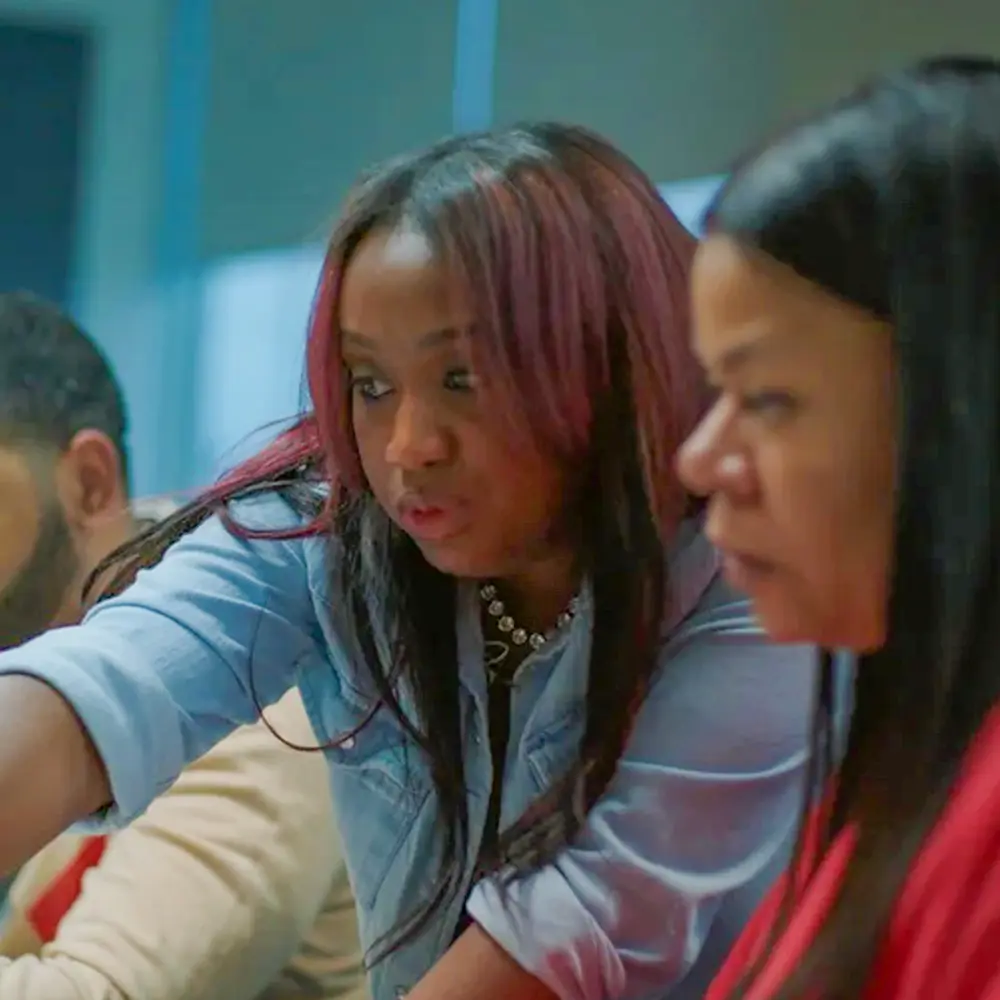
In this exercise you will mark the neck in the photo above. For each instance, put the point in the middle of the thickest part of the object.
(537, 596)
(117, 531)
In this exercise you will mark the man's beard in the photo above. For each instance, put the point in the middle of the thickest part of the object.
(33, 599)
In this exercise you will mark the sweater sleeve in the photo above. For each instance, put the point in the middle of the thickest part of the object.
(211, 892)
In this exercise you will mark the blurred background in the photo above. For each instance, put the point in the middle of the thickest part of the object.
(170, 167)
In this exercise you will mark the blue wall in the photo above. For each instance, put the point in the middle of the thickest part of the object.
(44, 76)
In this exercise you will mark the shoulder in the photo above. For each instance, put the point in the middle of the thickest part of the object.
(711, 631)
(234, 555)
(712, 625)
(725, 692)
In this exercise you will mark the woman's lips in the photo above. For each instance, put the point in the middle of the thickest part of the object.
(430, 522)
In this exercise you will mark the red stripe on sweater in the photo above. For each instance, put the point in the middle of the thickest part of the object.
(57, 898)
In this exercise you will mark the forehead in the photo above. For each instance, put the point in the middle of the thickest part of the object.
(20, 512)
(395, 284)
(749, 310)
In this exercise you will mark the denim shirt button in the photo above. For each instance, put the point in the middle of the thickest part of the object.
(348, 743)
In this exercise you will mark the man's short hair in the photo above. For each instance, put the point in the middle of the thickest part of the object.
(54, 380)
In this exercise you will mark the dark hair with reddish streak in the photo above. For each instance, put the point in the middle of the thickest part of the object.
(578, 273)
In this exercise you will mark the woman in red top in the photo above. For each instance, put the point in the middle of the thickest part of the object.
(847, 306)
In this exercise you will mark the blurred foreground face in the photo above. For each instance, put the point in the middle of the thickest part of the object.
(797, 454)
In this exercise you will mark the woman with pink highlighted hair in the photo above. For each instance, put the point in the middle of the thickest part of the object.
(566, 763)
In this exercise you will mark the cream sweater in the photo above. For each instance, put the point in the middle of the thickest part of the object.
(232, 886)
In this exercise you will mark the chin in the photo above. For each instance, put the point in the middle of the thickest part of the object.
(785, 624)
(790, 626)
(458, 562)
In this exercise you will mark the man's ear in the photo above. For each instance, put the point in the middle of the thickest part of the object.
(91, 480)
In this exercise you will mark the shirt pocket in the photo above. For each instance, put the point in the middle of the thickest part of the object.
(378, 779)
(552, 751)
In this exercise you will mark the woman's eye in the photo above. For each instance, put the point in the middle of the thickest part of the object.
(461, 380)
(369, 387)
(769, 403)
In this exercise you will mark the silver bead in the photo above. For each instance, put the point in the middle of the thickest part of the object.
(506, 624)
(495, 608)
(536, 641)
(488, 592)
(519, 637)
(564, 619)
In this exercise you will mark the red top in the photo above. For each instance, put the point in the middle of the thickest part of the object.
(943, 938)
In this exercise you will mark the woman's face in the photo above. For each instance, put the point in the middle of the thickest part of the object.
(797, 454)
(435, 456)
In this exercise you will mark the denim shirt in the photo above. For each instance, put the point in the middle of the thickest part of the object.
(643, 904)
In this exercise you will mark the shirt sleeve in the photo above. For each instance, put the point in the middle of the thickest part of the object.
(162, 673)
(208, 894)
(701, 809)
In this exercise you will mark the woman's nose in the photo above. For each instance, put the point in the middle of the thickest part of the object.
(418, 437)
(711, 460)
(698, 456)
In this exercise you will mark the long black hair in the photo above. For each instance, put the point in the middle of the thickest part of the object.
(578, 271)
(891, 201)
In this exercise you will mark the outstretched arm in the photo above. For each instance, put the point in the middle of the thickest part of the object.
(150, 681)
(50, 772)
